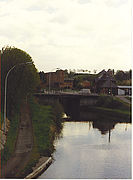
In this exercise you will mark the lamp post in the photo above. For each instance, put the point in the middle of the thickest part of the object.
(6, 90)
(50, 76)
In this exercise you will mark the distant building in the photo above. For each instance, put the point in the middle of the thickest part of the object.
(125, 90)
(85, 84)
(68, 84)
(57, 80)
(105, 83)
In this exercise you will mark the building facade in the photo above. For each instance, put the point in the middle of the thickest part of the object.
(56, 80)
(105, 83)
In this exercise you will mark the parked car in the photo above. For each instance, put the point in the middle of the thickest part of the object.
(84, 91)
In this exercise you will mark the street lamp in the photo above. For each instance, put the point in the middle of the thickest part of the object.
(50, 76)
(6, 90)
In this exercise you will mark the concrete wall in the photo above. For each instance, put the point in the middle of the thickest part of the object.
(88, 100)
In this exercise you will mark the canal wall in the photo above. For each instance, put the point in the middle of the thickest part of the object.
(40, 167)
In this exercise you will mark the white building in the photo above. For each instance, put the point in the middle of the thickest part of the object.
(125, 90)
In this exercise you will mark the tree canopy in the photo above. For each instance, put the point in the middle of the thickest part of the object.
(123, 77)
(22, 80)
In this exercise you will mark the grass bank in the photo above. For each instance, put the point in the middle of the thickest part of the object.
(110, 108)
(47, 125)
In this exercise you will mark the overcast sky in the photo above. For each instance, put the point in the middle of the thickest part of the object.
(69, 34)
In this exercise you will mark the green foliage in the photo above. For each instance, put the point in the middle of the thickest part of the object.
(79, 78)
(42, 76)
(47, 123)
(22, 80)
(44, 127)
(57, 110)
(117, 115)
(124, 83)
(11, 139)
(42, 120)
(123, 77)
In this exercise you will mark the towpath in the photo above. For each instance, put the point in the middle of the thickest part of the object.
(23, 146)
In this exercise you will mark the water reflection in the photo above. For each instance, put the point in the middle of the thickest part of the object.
(92, 150)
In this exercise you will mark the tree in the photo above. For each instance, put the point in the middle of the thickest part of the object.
(120, 75)
(94, 71)
(123, 75)
(22, 80)
(42, 76)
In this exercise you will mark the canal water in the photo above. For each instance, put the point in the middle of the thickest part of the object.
(89, 150)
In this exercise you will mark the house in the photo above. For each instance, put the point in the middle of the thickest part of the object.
(105, 83)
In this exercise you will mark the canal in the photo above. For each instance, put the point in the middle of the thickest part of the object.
(92, 150)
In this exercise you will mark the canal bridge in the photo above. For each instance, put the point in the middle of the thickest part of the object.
(72, 102)
(83, 99)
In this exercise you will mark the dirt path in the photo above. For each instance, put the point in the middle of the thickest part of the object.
(23, 147)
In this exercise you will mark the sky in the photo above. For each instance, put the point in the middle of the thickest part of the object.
(69, 34)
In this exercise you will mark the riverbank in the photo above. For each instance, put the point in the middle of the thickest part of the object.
(113, 107)
(107, 108)
(47, 124)
(31, 144)
(41, 166)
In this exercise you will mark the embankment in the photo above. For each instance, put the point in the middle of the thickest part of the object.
(47, 124)
(45, 120)
(110, 108)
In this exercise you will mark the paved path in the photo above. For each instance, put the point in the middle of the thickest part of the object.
(123, 98)
(23, 147)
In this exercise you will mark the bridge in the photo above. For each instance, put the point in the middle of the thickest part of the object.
(71, 101)
(83, 99)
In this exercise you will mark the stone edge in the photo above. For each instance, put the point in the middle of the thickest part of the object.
(38, 171)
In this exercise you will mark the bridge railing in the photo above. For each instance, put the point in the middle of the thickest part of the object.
(54, 92)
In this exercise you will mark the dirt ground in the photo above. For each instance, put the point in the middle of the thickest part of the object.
(23, 146)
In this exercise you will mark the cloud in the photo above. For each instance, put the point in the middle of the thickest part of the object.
(69, 34)
(115, 3)
(84, 1)
(60, 19)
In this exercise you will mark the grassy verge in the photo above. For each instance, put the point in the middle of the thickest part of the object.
(47, 124)
(113, 114)
(42, 119)
(129, 98)
(112, 103)
(110, 108)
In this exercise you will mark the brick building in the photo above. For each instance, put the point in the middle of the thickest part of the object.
(57, 80)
